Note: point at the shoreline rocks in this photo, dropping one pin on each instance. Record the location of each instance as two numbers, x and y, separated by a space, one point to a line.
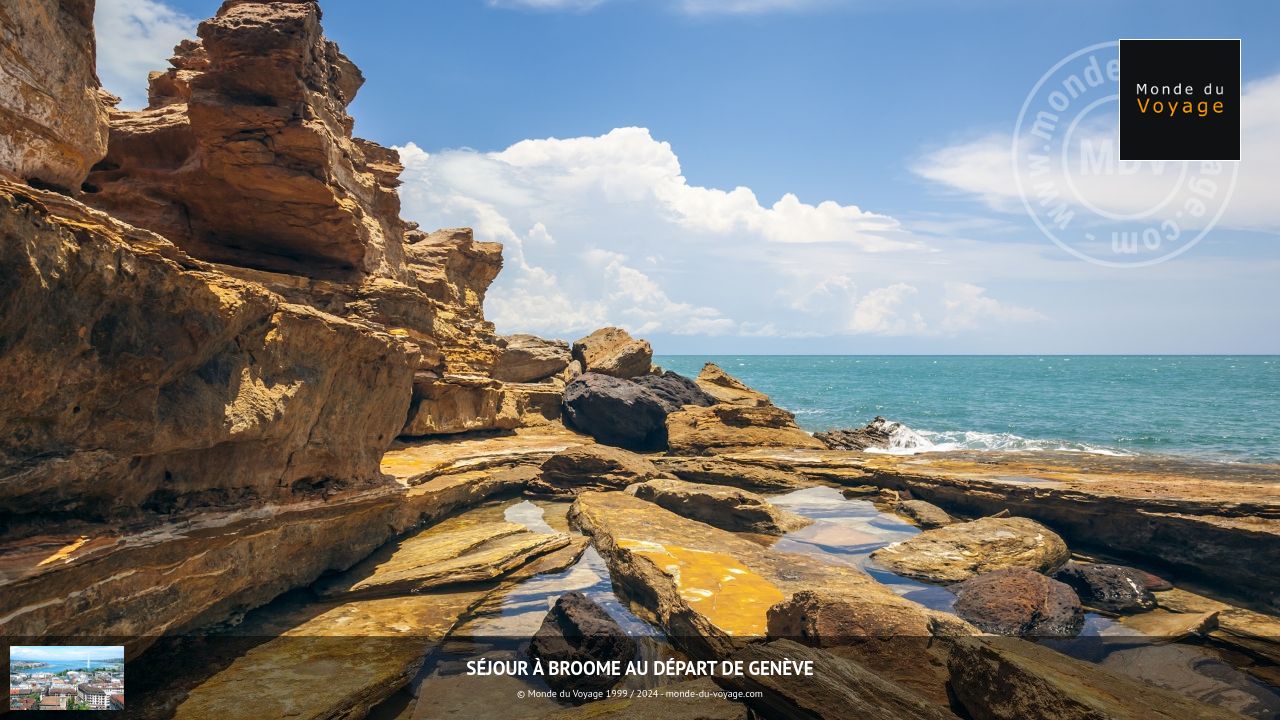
1113 588
958 552
616 411
578 630
724 427
1019 602
612 351
719 506
879 433
528 358
591 467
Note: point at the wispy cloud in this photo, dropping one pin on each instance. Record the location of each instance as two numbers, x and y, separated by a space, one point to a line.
134 38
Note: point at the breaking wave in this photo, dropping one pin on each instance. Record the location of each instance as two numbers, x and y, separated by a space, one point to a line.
904 440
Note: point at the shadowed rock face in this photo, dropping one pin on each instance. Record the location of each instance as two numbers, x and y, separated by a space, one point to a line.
53 122
591 467
675 390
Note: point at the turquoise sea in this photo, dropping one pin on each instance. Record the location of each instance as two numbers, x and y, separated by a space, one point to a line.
1211 407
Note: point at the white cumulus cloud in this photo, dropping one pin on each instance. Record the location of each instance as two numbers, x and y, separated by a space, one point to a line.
134 38
607 230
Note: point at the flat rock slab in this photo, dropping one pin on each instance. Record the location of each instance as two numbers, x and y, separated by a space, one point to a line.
961 551
1254 632
329 661
723 507
706 587
838 688
412 463
462 549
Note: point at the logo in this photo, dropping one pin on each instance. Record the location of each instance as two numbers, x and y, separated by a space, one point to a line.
1080 193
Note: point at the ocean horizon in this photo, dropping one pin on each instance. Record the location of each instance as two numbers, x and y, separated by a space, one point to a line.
1210 407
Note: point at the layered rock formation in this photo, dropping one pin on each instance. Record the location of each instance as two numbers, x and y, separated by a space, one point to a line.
52 115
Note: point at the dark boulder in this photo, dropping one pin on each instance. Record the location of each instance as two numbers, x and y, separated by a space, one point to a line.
674 390
578 630
1020 602
1114 588
615 411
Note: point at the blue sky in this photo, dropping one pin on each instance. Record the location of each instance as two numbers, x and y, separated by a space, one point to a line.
684 127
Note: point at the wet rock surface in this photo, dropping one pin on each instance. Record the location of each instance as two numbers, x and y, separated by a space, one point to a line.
577 629
723 507
1019 602
878 434
1114 588
961 551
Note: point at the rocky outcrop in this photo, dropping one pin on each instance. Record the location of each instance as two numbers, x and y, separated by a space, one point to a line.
723 427
453 552
879 434
678 571
674 390
612 351
616 411
1019 602
1011 679
53 119
926 515
724 507
591 467
726 388
578 630
961 551
155 384
257 109
528 358
456 404
719 470
1113 588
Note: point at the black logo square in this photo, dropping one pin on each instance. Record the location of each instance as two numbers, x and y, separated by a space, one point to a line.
1179 99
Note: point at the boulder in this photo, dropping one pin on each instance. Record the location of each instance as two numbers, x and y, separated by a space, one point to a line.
1021 602
726 388
616 411
708 430
53 122
591 467
612 351
879 434
1011 679
723 507
578 630
528 358
961 551
674 390
1113 588
926 515
896 640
